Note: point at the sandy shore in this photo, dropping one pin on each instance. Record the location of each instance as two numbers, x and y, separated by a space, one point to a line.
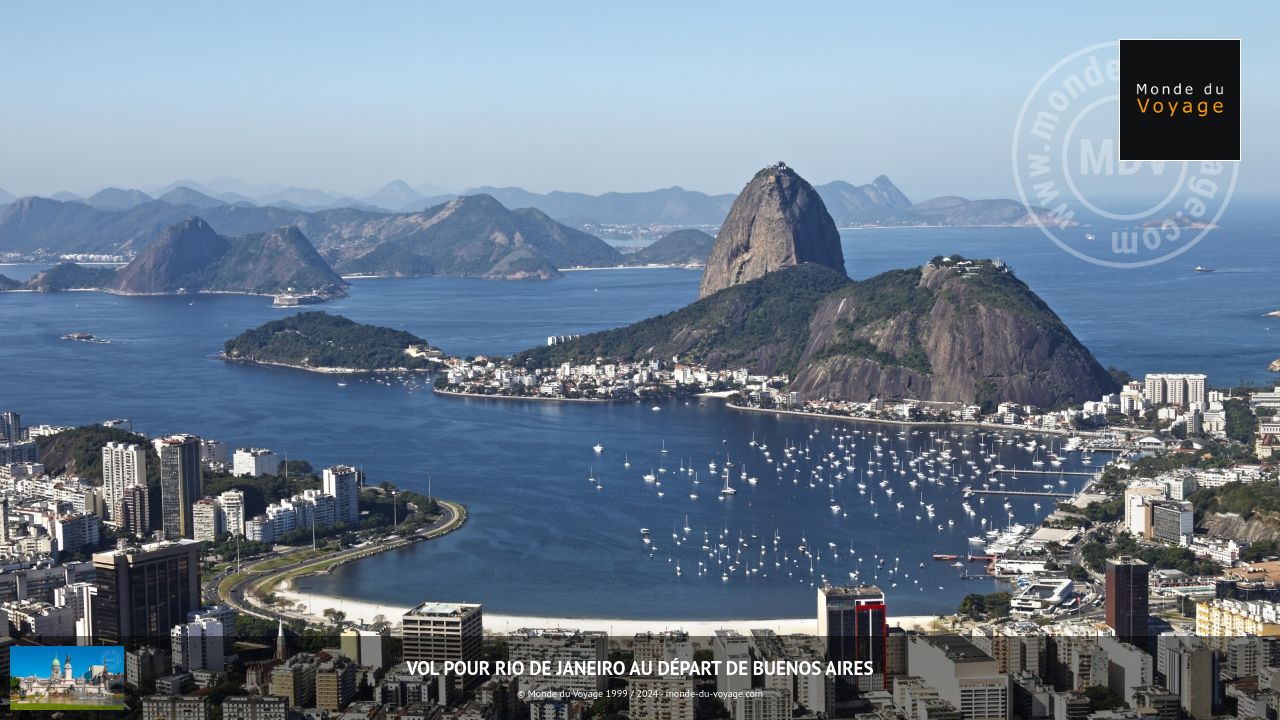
356 610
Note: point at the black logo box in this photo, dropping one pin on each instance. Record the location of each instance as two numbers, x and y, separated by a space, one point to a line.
1186 65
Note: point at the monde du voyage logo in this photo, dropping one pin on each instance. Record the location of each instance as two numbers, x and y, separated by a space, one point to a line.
1124 152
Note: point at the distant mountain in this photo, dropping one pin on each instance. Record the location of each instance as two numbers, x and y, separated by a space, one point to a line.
64 196
474 235
668 206
300 198
882 203
117 199
681 247
190 256
396 196
185 196
5 197
953 211
32 224
7 283
387 259
852 203
778 220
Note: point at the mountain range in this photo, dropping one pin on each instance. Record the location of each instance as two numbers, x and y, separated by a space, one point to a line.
191 257
472 235
877 203
775 298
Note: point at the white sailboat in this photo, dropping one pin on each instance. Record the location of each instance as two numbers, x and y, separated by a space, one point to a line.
727 489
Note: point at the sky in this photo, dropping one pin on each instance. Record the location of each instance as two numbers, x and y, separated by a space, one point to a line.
588 97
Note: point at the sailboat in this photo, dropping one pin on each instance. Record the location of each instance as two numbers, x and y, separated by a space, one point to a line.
626 461
727 489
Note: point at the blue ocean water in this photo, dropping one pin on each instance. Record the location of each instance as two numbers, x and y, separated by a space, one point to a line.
542 540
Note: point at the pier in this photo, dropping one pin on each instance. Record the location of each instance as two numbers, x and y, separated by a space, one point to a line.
1055 473
1026 493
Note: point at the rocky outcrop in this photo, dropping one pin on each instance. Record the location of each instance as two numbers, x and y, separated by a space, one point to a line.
960 330
1231 525
777 221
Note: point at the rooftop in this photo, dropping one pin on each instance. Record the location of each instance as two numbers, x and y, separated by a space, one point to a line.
956 648
443 609
869 592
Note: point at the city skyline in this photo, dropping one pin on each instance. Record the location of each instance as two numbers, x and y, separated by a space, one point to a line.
609 100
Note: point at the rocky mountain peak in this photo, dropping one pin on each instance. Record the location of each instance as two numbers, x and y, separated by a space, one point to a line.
777 221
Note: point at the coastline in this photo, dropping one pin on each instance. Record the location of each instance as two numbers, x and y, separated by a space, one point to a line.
322 370
539 398
918 423
652 266
363 611
125 293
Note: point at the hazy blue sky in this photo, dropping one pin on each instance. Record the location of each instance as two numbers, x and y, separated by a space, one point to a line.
589 97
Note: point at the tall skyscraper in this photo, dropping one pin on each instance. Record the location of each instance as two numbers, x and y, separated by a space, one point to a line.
144 591
135 510
1127 588
853 622
10 426
181 483
124 465
340 482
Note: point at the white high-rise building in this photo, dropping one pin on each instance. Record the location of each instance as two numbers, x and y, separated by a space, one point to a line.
1180 389
199 645
252 462
124 465
340 481
232 504
207 519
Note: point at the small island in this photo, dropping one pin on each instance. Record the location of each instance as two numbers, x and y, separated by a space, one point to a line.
85 337
319 342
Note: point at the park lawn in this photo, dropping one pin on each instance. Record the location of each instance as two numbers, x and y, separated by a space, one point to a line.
20 705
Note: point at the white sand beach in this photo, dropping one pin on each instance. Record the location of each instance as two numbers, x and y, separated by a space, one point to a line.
359 611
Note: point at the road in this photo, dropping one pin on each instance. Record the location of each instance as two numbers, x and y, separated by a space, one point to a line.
236 595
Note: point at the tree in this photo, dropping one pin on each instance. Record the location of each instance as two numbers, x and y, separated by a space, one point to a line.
335 616
1103 698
